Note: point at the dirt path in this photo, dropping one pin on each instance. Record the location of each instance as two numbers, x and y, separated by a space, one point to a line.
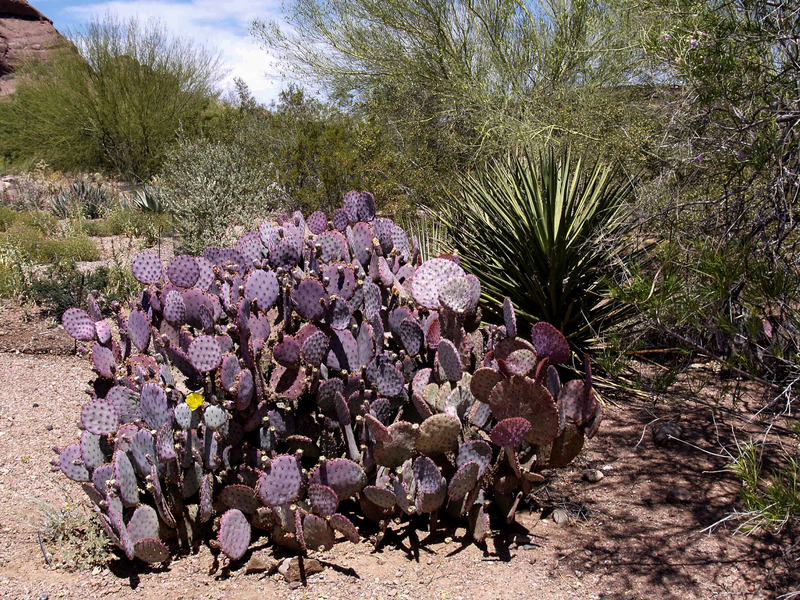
625 541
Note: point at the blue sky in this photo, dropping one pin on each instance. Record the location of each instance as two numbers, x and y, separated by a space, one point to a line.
219 25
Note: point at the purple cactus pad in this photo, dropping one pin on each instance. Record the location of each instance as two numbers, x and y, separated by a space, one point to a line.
79 324
146 268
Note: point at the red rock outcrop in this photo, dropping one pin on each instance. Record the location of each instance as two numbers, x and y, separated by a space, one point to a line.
25 33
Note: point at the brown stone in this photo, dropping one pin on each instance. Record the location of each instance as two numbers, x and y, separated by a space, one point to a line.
25 34
291 571
257 564
593 475
679 495
666 433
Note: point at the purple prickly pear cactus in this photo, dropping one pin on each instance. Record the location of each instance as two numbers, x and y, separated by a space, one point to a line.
234 534
239 380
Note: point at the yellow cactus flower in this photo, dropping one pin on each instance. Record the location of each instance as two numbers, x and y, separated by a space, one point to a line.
194 400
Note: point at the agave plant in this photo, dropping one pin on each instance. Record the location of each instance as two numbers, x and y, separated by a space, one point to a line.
549 236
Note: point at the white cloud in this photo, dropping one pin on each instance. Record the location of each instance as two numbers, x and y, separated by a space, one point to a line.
218 26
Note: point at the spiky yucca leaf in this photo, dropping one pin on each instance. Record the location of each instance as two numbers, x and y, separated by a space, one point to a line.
546 234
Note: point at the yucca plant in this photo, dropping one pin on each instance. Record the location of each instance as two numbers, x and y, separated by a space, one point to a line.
550 235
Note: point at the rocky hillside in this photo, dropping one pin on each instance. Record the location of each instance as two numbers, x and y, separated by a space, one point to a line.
24 33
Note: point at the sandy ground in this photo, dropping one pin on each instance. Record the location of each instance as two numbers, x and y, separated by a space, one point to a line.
622 540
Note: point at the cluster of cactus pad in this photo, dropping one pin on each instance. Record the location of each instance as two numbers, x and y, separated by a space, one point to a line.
317 369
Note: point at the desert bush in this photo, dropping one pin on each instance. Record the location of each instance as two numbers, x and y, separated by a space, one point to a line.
80 199
114 99
16 271
41 221
43 247
325 362
79 541
726 204
458 82
771 495
550 236
211 189
316 151
62 285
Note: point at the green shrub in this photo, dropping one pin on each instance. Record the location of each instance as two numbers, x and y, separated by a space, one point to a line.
16 271
80 248
36 219
79 540
771 497
212 188
39 247
62 285
7 217
113 99
728 301
80 199
548 235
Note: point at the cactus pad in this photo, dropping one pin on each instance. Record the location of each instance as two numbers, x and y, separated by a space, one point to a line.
154 406
477 451
214 416
456 295
125 477
151 550
322 499
71 463
262 286
400 448
234 534
79 324
143 523
438 434
430 278
412 336
310 299
205 353
343 476
482 383
240 497
139 329
317 222
91 453
146 268
287 352
281 481
183 271
449 360
103 361
510 432
521 397
465 479
520 362
99 417
381 496
550 343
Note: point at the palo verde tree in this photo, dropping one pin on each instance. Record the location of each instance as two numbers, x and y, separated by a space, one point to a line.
468 77
114 100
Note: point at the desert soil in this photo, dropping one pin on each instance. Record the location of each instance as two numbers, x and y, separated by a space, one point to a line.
622 539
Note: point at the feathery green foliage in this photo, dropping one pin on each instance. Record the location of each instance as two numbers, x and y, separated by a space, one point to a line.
548 235
771 499
114 100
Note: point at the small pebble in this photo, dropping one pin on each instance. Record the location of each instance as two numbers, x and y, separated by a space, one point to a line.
35 405
43 596
49 427
666 433
593 475
679 495
561 516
